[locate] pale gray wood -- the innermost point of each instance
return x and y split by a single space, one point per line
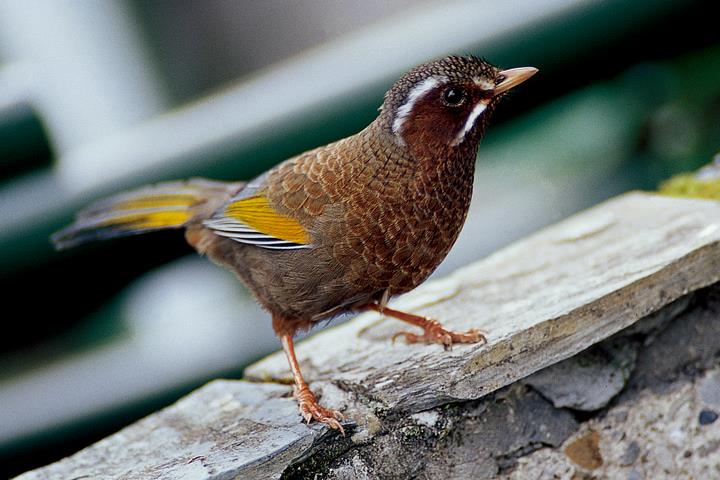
224 430
540 300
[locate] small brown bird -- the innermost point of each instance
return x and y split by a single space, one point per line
343 227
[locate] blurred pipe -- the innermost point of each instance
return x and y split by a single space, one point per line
336 73
83 68
23 143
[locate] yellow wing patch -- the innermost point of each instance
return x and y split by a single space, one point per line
256 213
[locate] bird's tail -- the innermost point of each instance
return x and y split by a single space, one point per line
156 207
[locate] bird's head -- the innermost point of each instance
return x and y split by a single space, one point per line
445 104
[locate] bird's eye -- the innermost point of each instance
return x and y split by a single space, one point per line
453 96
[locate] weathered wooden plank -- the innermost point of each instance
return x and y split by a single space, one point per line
540 300
224 430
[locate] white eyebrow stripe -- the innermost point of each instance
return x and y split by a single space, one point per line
470 122
417 92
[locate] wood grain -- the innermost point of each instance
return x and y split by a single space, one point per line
540 300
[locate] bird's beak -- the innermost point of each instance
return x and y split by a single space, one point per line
512 77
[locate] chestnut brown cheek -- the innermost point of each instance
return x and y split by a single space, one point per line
428 135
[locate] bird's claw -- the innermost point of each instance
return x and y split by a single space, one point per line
311 410
435 333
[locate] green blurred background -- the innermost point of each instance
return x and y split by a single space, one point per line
102 95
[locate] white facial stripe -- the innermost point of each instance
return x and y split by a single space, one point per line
417 92
470 122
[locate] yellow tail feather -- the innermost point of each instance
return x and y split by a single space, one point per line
157 207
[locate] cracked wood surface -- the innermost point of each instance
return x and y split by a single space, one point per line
540 300
226 429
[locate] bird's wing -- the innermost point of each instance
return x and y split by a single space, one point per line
250 218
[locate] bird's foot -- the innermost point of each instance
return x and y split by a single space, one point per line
433 332
310 409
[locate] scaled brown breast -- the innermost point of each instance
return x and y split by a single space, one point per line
387 217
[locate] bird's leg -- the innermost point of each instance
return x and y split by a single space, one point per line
433 332
307 402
